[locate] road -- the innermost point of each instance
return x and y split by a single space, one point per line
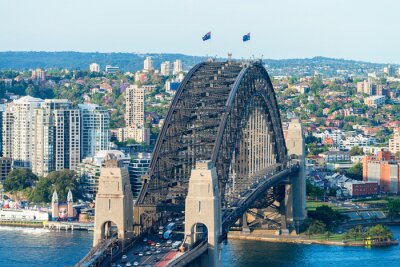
149 251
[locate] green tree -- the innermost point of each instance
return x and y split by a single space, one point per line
356 151
61 181
316 227
19 179
393 207
380 232
331 218
355 172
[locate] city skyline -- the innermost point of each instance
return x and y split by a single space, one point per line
337 29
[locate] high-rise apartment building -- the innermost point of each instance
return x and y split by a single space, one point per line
38 75
177 66
94 67
165 68
17 130
95 129
134 100
2 110
56 137
7 130
389 71
148 64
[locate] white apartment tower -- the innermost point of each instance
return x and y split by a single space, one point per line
177 66
56 137
94 67
134 99
148 64
95 129
165 68
17 130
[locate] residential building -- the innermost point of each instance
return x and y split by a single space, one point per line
95 129
134 100
394 143
171 86
165 68
38 75
375 101
2 111
383 169
7 131
177 66
112 69
5 168
56 137
19 127
335 156
139 134
389 71
366 87
94 67
148 64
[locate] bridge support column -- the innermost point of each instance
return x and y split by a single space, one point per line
203 208
114 203
245 226
295 146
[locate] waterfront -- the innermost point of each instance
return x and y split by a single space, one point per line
38 247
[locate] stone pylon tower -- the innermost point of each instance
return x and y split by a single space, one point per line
70 203
114 202
54 206
297 191
203 210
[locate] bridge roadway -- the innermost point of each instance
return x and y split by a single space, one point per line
137 250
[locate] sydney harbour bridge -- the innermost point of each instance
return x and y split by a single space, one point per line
220 155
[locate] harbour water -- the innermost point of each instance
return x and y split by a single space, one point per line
38 247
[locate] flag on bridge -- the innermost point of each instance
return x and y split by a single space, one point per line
246 37
207 36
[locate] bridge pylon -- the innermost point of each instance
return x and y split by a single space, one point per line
114 203
296 191
203 211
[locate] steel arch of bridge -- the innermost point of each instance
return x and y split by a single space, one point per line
225 112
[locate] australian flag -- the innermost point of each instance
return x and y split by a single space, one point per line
246 37
207 36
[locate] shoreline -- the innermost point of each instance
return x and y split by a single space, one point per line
235 235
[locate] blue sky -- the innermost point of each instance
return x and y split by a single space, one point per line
352 29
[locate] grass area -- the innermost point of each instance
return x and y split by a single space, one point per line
312 205
333 237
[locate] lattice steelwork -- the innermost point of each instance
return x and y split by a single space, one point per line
225 112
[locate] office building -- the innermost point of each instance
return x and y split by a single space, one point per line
94 67
382 168
56 137
6 131
95 129
177 66
112 69
138 167
148 64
